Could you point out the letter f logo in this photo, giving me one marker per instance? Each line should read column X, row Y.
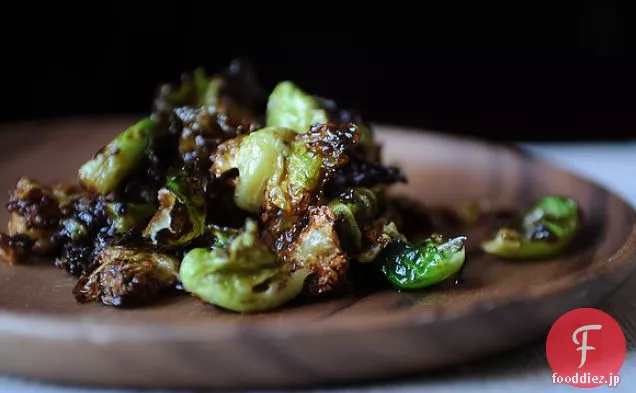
column 584, row 347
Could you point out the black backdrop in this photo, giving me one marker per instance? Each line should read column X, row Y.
column 567, row 74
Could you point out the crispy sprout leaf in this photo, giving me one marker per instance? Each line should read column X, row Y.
column 241, row 274
column 546, row 229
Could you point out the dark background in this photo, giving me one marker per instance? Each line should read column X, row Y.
column 559, row 72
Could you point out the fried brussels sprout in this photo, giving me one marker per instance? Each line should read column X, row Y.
column 43, row 216
column 182, row 211
column 545, row 230
column 281, row 169
column 290, row 107
column 313, row 159
column 260, row 158
column 414, row 266
column 241, row 274
column 280, row 176
column 127, row 276
column 112, row 163
column 34, row 214
column 14, row 249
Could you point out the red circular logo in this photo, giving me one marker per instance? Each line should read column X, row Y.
column 586, row 348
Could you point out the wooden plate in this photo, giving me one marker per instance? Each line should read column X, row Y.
column 184, row 343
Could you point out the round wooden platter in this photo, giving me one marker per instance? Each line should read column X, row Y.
column 181, row 342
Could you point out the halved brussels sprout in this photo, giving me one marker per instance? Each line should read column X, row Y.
column 261, row 160
column 242, row 275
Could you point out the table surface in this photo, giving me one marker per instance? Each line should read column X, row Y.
column 523, row 369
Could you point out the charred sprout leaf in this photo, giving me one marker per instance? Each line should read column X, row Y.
column 126, row 216
column 34, row 214
column 106, row 170
column 424, row 264
column 233, row 92
column 316, row 248
column 76, row 259
column 355, row 209
column 239, row 92
column 290, row 107
column 242, row 275
column 367, row 147
column 43, row 217
column 182, row 211
column 127, row 276
column 203, row 130
column 546, row 229
column 14, row 249
column 191, row 90
column 359, row 172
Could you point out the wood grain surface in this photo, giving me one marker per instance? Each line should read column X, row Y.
column 181, row 342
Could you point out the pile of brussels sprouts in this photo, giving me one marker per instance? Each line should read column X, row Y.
column 246, row 199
